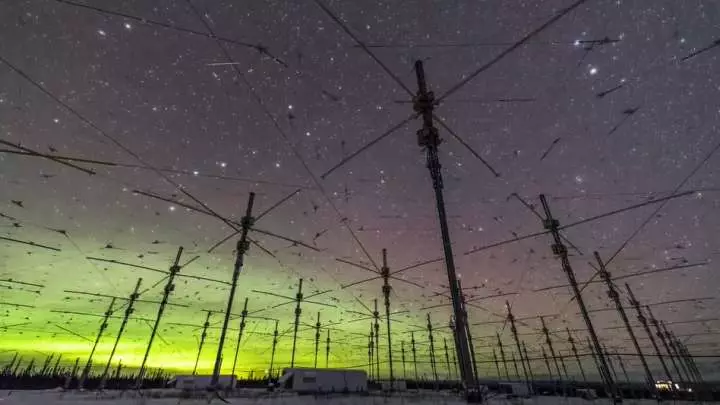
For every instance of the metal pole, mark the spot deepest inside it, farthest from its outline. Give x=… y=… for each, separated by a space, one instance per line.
x=690 y=360
x=575 y=353
x=514 y=362
x=432 y=351
x=376 y=317
x=412 y=341
x=327 y=349
x=169 y=287
x=560 y=250
x=530 y=371
x=547 y=363
x=429 y=139
x=564 y=367
x=128 y=311
x=274 y=345
x=502 y=356
x=103 y=326
x=371 y=346
x=597 y=363
x=298 y=311
x=317 y=338
x=624 y=370
x=242 y=247
x=243 y=315
x=497 y=364
x=660 y=335
x=610 y=363
x=402 y=354
x=385 y=272
x=643 y=321
x=676 y=353
x=552 y=350
x=471 y=345
x=513 y=329
x=447 y=359
x=615 y=297
x=206 y=325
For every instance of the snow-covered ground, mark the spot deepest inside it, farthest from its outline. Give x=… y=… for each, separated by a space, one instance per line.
x=258 y=397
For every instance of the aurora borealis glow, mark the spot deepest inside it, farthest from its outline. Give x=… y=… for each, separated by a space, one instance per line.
x=595 y=127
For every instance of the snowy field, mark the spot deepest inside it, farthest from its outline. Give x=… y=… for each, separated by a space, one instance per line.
x=260 y=398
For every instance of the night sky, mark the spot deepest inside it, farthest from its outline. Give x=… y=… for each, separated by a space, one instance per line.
x=283 y=96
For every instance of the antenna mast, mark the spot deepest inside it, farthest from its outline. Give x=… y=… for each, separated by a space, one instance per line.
x=128 y=311
x=385 y=272
x=429 y=139
x=664 y=342
x=502 y=356
x=643 y=321
x=169 y=287
x=103 y=326
x=317 y=338
x=274 y=345
x=575 y=353
x=432 y=350
x=615 y=297
x=513 y=329
x=298 y=311
x=560 y=250
x=206 y=325
x=242 y=247
x=243 y=315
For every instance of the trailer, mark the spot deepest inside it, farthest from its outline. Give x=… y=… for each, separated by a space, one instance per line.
x=322 y=380
x=202 y=382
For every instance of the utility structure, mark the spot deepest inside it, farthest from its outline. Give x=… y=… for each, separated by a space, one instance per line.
x=595 y=359
x=664 y=342
x=497 y=364
x=547 y=363
x=685 y=355
x=101 y=331
x=243 y=316
x=298 y=311
x=272 y=354
x=203 y=336
x=560 y=250
x=643 y=321
x=447 y=360
x=327 y=350
x=552 y=349
x=527 y=359
x=317 y=338
x=385 y=273
x=429 y=139
x=169 y=288
x=680 y=360
x=376 y=325
x=502 y=356
x=471 y=345
x=371 y=346
x=241 y=248
x=402 y=357
x=515 y=366
x=513 y=329
x=610 y=363
x=432 y=350
x=414 y=354
x=128 y=311
x=615 y=297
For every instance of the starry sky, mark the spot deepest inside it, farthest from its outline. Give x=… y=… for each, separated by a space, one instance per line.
x=599 y=111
